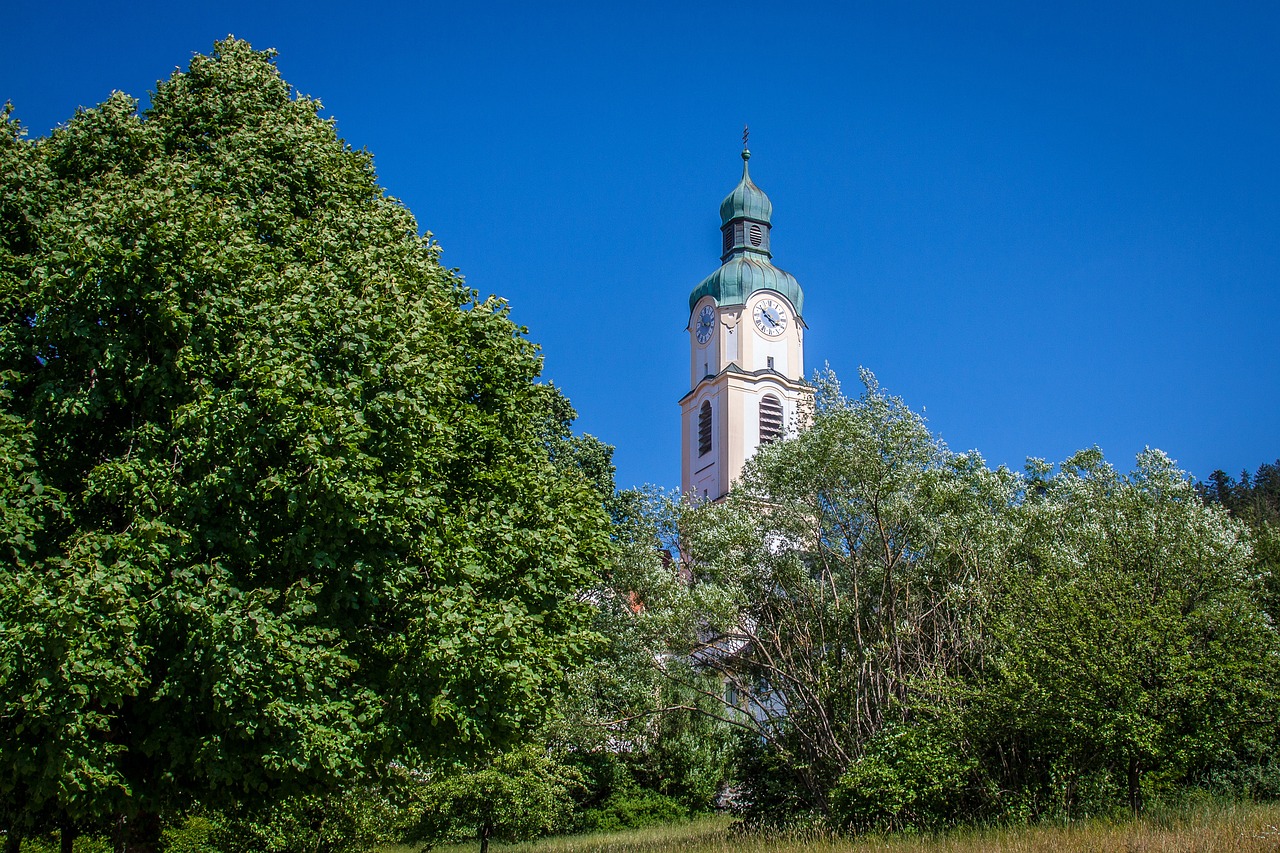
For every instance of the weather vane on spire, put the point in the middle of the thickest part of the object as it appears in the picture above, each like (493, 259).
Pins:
(746, 132)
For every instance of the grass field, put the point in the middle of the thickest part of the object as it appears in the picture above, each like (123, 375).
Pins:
(1232, 828)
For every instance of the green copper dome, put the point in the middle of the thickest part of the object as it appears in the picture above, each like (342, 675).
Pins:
(742, 276)
(747, 266)
(747, 201)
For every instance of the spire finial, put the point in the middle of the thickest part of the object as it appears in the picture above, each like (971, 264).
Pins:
(746, 133)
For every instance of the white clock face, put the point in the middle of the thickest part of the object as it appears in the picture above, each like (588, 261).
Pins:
(706, 323)
(770, 317)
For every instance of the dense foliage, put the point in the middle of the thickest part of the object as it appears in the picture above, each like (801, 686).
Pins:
(641, 730)
(1133, 654)
(1256, 501)
(910, 638)
(282, 499)
(519, 794)
(1253, 498)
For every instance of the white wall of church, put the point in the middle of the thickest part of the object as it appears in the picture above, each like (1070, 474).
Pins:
(777, 350)
(731, 342)
(703, 471)
(750, 414)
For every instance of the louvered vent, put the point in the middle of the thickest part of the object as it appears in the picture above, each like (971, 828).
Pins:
(770, 419)
(704, 429)
(728, 241)
(757, 236)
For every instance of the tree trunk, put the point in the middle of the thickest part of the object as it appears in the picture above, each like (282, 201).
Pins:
(485, 831)
(66, 836)
(1135, 787)
(13, 841)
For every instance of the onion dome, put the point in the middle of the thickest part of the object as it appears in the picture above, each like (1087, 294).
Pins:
(746, 265)
(743, 275)
(747, 201)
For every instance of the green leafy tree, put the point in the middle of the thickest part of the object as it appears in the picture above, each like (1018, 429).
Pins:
(360, 818)
(1256, 501)
(1255, 498)
(281, 501)
(516, 795)
(841, 587)
(1133, 653)
(638, 740)
(1132, 647)
(912, 639)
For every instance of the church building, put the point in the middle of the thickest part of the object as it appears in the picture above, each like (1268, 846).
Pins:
(746, 350)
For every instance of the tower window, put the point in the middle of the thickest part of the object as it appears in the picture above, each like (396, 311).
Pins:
(728, 240)
(704, 429)
(770, 360)
(770, 419)
(757, 236)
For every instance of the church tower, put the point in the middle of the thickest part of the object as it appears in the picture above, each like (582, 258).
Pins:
(746, 350)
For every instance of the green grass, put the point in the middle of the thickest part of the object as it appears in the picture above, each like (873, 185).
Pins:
(1210, 828)
(703, 833)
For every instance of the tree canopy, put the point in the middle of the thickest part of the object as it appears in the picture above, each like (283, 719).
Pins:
(1256, 501)
(911, 638)
(281, 495)
(856, 562)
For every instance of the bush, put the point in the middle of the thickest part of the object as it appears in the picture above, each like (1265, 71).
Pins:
(689, 758)
(350, 822)
(515, 796)
(83, 844)
(193, 835)
(632, 810)
(1250, 776)
(768, 797)
(911, 776)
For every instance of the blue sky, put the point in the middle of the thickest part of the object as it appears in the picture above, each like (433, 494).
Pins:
(1048, 226)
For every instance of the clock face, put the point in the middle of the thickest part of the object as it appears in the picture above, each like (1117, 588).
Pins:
(706, 322)
(770, 317)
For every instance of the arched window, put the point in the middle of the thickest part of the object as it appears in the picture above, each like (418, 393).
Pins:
(770, 419)
(704, 429)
